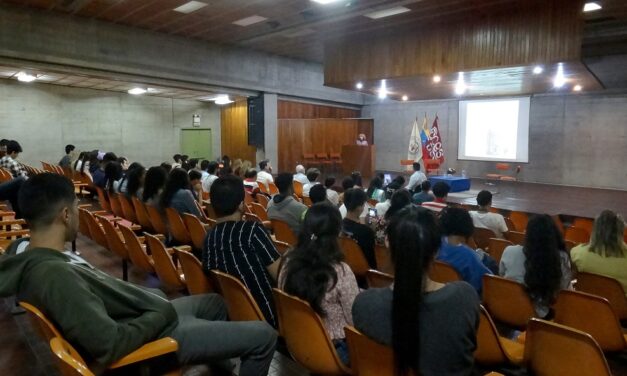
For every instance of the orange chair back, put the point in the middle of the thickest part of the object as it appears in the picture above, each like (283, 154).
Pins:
(569, 245)
(166, 271)
(239, 302)
(103, 200)
(69, 360)
(283, 232)
(272, 188)
(195, 278)
(584, 223)
(115, 244)
(306, 337)
(142, 215)
(116, 207)
(83, 226)
(443, 272)
(515, 237)
(574, 309)
(520, 220)
(197, 231)
(262, 199)
(282, 247)
(127, 209)
(362, 349)
(482, 237)
(210, 213)
(298, 188)
(307, 201)
(503, 166)
(497, 247)
(507, 301)
(384, 259)
(557, 350)
(45, 327)
(260, 211)
(491, 350)
(577, 235)
(179, 232)
(377, 279)
(606, 287)
(354, 256)
(156, 220)
(510, 224)
(136, 252)
(95, 229)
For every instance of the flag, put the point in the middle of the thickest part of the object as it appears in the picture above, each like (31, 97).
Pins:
(415, 143)
(434, 145)
(424, 137)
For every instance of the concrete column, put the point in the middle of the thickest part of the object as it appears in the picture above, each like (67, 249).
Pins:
(270, 102)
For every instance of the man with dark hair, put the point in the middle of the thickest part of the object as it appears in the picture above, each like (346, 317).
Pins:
(440, 190)
(195, 182)
(457, 228)
(177, 161)
(332, 195)
(66, 161)
(312, 175)
(416, 178)
(106, 317)
(265, 173)
(347, 183)
(318, 193)
(483, 218)
(284, 206)
(204, 165)
(355, 202)
(98, 175)
(241, 248)
(9, 162)
(166, 166)
(424, 195)
(212, 169)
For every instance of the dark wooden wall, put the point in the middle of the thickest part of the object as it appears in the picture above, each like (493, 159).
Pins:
(234, 131)
(299, 110)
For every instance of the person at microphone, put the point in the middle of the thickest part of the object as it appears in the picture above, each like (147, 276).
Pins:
(361, 140)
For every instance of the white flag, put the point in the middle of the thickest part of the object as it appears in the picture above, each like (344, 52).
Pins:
(415, 144)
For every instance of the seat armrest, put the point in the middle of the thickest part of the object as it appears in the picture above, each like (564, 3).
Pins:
(148, 351)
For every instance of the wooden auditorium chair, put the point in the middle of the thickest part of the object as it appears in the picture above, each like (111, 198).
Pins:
(443, 272)
(156, 220)
(195, 278)
(606, 287)
(283, 232)
(577, 235)
(354, 256)
(492, 349)
(507, 301)
(263, 200)
(178, 230)
(116, 206)
(325, 163)
(298, 188)
(272, 189)
(377, 279)
(168, 273)
(127, 209)
(584, 223)
(137, 251)
(239, 301)
(497, 247)
(281, 247)
(142, 215)
(515, 237)
(115, 243)
(307, 202)
(384, 259)
(368, 358)
(482, 236)
(197, 230)
(519, 219)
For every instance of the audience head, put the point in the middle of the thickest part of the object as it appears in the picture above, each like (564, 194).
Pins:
(310, 265)
(109, 157)
(441, 190)
(135, 176)
(154, 182)
(204, 165)
(246, 165)
(608, 234)
(13, 148)
(265, 166)
(543, 272)
(113, 172)
(318, 193)
(347, 183)
(184, 158)
(166, 166)
(212, 167)
(356, 176)
(400, 199)
(83, 156)
(69, 148)
(195, 179)
(414, 240)
(48, 200)
(484, 198)
(329, 182)
(354, 200)
(134, 165)
(425, 186)
(397, 182)
(313, 174)
(227, 195)
(375, 183)
(193, 163)
(456, 222)
(416, 166)
(123, 161)
(251, 174)
(300, 169)
(177, 158)
(177, 180)
(284, 182)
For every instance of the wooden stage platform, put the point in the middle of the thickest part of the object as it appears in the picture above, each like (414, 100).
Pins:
(546, 198)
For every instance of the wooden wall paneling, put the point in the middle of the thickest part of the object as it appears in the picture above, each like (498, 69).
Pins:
(234, 132)
(300, 110)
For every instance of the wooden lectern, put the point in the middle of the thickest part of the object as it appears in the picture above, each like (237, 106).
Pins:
(358, 158)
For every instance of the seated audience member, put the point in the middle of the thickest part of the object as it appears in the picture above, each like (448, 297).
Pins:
(312, 176)
(332, 195)
(440, 190)
(430, 326)
(347, 183)
(135, 181)
(184, 162)
(416, 178)
(250, 181)
(318, 193)
(355, 202)
(457, 228)
(105, 317)
(375, 190)
(82, 164)
(237, 166)
(357, 182)
(283, 206)
(246, 165)
(241, 248)
(423, 195)
(212, 169)
(225, 166)
(177, 161)
(177, 194)
(606, 253)
(123, 161)
(98, 174)
(113, 175)
(154, 182)
(204, 166)
(300, 175)
(265, 173)
(66, 161)
(383, 207)
(95, 157)
(167, 167)
(124, 180)
(192, 164)
(483, 218)
(3, 147)
(397, 183)
(332, 291)
(195, 183)
(9, 190)
(400, 199)
(542, 263)
(9, 162)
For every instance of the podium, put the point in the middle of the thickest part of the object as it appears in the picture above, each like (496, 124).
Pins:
(358, 158)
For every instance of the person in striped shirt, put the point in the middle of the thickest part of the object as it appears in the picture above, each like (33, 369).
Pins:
(440, 191)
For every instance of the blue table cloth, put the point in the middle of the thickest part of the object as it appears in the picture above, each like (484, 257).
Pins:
(456, 183)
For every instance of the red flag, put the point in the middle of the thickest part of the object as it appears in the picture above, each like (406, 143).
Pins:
(434, 145)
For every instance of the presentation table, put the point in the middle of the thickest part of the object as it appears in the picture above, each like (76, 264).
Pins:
(456, 183)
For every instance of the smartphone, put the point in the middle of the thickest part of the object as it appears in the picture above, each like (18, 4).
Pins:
(372, 212)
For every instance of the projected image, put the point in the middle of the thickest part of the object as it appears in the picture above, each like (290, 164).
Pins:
(491, 130)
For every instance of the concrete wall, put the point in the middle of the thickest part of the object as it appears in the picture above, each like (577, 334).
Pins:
(44, 118)
(578, 140)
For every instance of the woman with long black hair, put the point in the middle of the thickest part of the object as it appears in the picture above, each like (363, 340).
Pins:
(177, 193)
(134, 181)
(315, 272)
(542, 263)
(153, 184)
(431, 326)
(113, 174)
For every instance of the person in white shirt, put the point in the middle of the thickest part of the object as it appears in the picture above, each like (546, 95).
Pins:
(485, 219)
(204, 164)
(312, 175)
(332, 195)
(212, 176)
(416, 179)
(177, 161)
(265, 173)
(300, 175)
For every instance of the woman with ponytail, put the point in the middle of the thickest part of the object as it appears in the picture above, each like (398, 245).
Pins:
(315, 272)
(431, 326)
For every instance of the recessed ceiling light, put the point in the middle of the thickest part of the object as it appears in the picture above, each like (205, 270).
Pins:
(437, 78)
(190, 7)
(222, 99)
(387, 12)
(383, 90)
(25, 77)
(137, 91)
(577, 88)
(559, 79)
(324, 1)
(537, 69)
(460, 86)
(152, 91)
(249, 20)
(591, 7)
(405, 98)
(359, 85)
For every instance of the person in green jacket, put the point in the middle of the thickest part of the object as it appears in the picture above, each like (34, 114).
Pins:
(107, 318)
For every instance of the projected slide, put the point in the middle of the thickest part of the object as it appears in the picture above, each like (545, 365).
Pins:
(494, 130)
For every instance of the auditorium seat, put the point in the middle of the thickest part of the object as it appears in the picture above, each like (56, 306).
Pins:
(520, 220)
(115, 244)
(368, 358)
(377, 279)
(197, 230)
(103, 200)
(142, 215)
(178, 230)
(492, 349)
(127, 209)
(239, 302)
(307, 202)
(501, 170)
(515, 237)
(195, 279)
(507, 301)
(384, 259)
(272, 188)
(497, 247)
(263, 200)
(354, 256)
(309, 160)
(510, 224)
(577, 235)
(482, 237)
(283, 232)
(584, 223)
(137, 251)
(443, 272)
(298, 188)
(606, 287)
(95, 229)
(324, 162)
(116, 207)
(281, 247)
(168, 273)
(156, 220)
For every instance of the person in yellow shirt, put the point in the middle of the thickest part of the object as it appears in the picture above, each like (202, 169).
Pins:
(606, 254)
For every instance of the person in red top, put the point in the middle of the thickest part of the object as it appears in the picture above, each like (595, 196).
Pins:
(440, 191)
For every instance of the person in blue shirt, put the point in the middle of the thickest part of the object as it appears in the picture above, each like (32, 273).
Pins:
(457, 228)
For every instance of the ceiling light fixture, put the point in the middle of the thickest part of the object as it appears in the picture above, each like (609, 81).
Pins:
(190, 7)
(383, 90)
(222, 99)
(324, 2)
(387, 12)
(137, 91)
(249, 21)
(591, 7)
(537, 69)
(460, 86)
(405, 98)
(359, 86)
(559, 79)
(437, 78)
(577, 88)
(25, 77)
